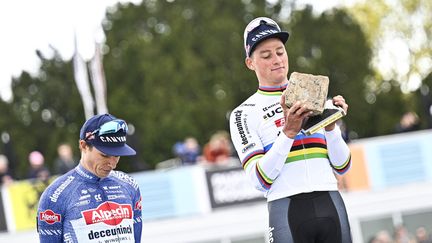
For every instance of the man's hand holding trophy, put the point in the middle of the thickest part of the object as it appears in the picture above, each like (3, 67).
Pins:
(312, 91)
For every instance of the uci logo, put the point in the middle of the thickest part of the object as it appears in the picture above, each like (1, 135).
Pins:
(273, 112)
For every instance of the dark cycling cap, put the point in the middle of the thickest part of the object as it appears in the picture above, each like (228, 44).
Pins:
(107, 134)
(261, 29)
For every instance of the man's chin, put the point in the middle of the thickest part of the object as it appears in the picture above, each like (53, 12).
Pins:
(281, 79)
(104, 173)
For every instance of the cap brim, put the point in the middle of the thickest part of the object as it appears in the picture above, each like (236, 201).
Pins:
(283, 36)
(124, 150)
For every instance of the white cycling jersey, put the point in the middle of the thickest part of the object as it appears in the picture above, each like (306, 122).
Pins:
(278, 165)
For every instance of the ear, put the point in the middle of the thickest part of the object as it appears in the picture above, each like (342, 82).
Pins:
(82, 144)
(249, 63)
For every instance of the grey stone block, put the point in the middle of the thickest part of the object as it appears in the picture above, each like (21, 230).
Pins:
(309, 89)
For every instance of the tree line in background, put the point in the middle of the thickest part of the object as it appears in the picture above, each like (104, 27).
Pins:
(176, 69)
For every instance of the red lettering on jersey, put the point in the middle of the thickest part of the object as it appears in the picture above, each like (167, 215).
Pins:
(110, 213)
(49, 216)
(280, 122)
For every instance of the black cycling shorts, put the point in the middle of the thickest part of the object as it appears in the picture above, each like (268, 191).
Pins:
(316, 217)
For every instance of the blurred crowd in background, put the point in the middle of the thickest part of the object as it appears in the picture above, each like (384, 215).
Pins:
(401, 235)
(218, 151)
(38, 169)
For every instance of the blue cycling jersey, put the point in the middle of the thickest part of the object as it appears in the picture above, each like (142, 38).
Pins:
(81, 207)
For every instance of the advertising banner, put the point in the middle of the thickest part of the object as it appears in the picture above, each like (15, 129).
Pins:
(173, 193)
(229, 187)
(399, 159)
(3, 226)
(23, 199)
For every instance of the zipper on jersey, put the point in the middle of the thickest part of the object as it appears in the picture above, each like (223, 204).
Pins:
(105, 199)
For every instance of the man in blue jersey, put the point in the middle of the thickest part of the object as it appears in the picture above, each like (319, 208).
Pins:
(94, 203)
(295, 171)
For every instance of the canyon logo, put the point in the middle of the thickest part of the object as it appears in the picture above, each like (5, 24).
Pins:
(110, 213)
(49, 216)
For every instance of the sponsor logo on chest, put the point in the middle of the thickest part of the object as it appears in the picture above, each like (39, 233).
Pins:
(280, 122)
(272, 113)
(113, 197)
(110, 213)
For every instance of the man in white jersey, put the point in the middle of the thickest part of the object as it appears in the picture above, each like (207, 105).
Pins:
(295, 172)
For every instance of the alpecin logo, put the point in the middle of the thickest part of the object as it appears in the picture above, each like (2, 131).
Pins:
(138, 204)
(110, 213)
(49, 216)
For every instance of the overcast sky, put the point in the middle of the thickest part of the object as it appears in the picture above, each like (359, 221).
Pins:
(29, 25)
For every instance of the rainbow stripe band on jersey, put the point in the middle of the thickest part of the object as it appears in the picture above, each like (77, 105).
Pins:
(272, 91)
(265, 181)
(310, 147)
(344, 167)
(256, 155)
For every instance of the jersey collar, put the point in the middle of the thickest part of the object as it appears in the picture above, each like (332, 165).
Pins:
(271, 90)
(86, 174)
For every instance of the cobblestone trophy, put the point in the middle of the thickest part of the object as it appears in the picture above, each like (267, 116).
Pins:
(312, 90)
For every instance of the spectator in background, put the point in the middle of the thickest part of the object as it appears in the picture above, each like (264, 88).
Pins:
(188, 151)
(218, 150)
(37, 168)
(65, 160)
(409, 122)
(401, 235)
(422, 236)
(382, 237)
(5, 176)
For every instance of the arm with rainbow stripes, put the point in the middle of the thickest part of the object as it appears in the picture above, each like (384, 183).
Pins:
(264, 167)
(269, 166)
(338, 151)
(262, 163)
